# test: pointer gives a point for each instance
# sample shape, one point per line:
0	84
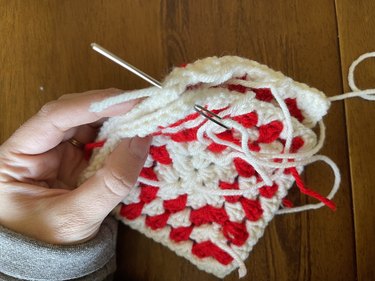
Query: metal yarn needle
200	109
126	65
210	115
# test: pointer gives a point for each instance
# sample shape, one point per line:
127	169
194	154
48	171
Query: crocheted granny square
207	192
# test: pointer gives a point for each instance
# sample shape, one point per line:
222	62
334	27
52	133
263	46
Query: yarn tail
300	184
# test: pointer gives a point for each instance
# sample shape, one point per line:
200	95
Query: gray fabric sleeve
22	258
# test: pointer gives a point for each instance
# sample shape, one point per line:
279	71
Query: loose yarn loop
356	92
270	116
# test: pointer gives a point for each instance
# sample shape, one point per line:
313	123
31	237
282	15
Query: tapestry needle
210	115
201	110
126	65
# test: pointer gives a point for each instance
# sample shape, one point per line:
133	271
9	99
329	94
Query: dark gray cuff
27	259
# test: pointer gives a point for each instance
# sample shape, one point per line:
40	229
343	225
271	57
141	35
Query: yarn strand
309	192
368	94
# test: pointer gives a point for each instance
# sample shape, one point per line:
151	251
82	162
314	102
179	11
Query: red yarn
243	77
193	86
208	249
148	193
287	203
131	211
252	208
229	136
309	192
227	185
247	120
297	143
268	191
217	111
187	118
216	148
243	168
235	232
180	233
186	135
158	221
287	171
148	173
208	214
89	147
270	132
226	136
237	88
293	109
160	154
263	94
175	205
254	146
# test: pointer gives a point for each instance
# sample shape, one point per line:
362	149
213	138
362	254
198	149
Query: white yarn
174	101
124	97
356	92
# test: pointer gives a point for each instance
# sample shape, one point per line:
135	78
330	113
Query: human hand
39	170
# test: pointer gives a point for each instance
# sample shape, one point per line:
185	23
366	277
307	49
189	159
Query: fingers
83	134
65	217
48	127
103	191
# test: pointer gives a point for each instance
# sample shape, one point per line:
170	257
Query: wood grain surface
45	52
356	29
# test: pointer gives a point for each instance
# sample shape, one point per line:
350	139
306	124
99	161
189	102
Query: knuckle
113	90
4	168
115	182
66	96
47	109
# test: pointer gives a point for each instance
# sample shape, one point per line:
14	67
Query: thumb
96	197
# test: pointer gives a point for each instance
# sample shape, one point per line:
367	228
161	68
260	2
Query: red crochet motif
208	214
293	109
148	193
235	232
209	249
268	191
148	173
263	94
243	168
132	211
160	154
175	205
270	132
252	208
181	233
158	221
247	120
227	185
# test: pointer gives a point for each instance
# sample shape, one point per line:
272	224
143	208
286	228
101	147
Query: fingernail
140	146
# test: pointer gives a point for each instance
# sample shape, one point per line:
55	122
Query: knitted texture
205	192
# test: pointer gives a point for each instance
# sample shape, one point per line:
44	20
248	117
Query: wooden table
44	53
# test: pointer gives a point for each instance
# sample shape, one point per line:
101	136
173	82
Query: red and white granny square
202	192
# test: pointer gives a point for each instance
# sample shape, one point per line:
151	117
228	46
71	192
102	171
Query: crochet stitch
205	192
